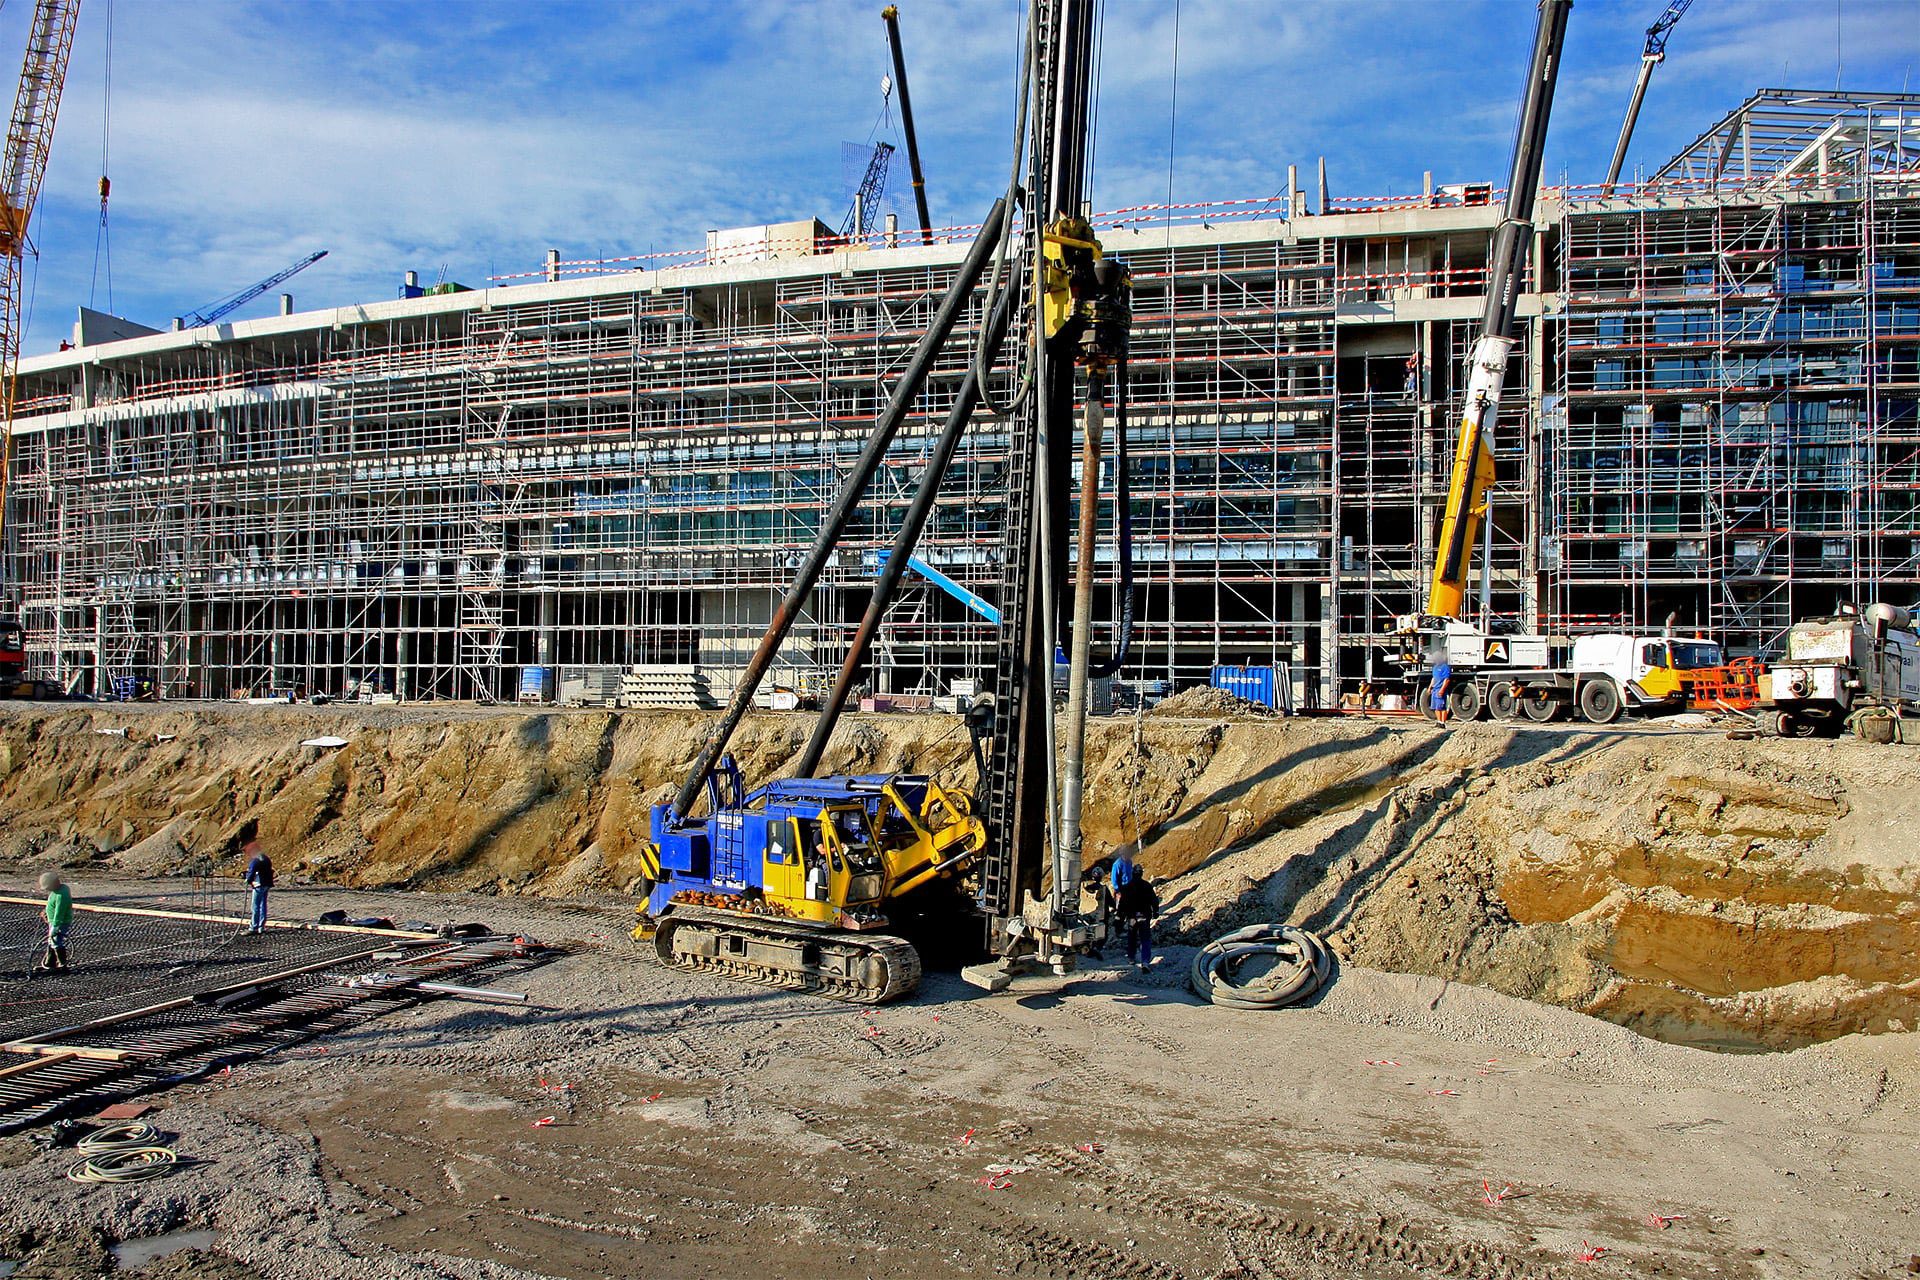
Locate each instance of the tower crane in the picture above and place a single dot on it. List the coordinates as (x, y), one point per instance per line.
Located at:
(234, 301)
(867, 198)
(24, 166)
(1652, 56)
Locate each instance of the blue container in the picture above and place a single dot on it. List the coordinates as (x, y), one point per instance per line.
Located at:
(536, 684)
(1255, 684)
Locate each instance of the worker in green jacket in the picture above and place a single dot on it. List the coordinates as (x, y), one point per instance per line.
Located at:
(59, 914)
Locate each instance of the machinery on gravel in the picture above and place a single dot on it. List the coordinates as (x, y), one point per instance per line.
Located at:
(1603, 677)
(794, 883)
(1858, 669)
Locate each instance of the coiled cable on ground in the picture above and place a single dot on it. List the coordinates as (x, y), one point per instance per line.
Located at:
(119, 1137)
(1300, 965)
(124, 1164)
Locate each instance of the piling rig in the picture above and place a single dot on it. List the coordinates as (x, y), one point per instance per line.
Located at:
(796, 882)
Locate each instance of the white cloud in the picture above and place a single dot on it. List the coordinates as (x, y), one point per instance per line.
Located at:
(475, 135)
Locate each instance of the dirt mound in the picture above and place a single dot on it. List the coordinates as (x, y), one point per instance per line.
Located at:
(1208, 703)
(1733, 894)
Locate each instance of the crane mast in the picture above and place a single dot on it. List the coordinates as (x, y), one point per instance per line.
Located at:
(29, 138)
(1473, 466)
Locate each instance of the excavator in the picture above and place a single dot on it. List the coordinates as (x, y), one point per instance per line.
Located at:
(797, 883)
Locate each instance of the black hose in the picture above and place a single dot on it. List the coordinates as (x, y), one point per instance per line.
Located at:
(1304, 966)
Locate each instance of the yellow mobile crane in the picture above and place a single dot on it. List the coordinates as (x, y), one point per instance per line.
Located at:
(1498, 670)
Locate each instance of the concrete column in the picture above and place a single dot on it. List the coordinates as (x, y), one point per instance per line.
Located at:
(401, 654)
(101, 687)
(543, 639)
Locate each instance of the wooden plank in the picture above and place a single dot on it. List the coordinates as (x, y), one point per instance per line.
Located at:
(65, 1051)
(35, 1064)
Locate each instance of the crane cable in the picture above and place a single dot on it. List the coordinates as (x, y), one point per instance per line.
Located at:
(102, 237)
(1301, 965)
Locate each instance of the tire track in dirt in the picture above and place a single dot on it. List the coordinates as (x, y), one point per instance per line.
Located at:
(1386, 1241)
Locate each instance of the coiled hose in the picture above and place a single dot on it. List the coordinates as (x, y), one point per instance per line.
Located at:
(1302, 966)
(122, 1153)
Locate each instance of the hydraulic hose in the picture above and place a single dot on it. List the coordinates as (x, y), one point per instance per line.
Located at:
(119, 1137)
(124, 1164)
(1303, 966)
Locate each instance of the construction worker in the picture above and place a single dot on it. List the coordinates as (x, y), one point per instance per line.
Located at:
(1137, 906)
(59, 917)
(259, 878)
(1437, 692)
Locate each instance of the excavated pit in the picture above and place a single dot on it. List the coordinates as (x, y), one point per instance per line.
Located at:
(1737, 895)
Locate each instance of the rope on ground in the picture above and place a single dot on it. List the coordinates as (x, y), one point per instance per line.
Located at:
(1303, 965)
(124, 1164)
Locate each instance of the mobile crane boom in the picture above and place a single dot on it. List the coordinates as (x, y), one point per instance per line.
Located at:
(234, 301)
(1651, 56)
(1473, 469)
(891, 16)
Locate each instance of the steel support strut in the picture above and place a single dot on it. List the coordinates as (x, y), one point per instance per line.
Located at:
(905, 392)
(911, 525)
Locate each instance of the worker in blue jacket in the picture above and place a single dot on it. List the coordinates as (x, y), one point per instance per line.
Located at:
(1437, 691)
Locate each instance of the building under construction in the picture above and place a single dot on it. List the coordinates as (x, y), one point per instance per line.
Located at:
(618, 464)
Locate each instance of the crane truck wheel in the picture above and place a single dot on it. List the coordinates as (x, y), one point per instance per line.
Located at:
(1797, 726)
(1542, 709)
(1464, 701)
(1503, 702)
(1600, 701)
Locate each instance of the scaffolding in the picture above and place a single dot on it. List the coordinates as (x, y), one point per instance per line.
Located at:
(620, 464)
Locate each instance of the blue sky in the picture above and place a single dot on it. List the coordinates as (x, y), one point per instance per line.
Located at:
(470, 137)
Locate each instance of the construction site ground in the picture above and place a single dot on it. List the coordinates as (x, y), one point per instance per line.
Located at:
(1514, 909)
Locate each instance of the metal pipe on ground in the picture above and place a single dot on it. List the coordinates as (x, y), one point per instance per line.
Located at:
(911, 525)
(788, 612)
(483, 994)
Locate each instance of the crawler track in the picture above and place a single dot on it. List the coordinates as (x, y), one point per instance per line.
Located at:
(860, 968)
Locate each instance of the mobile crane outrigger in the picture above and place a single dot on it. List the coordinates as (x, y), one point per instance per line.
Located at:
(795, 883)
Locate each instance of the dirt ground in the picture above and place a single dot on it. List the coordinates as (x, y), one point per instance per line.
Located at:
(700, 1128)
(1730, 894)
(1551, 938)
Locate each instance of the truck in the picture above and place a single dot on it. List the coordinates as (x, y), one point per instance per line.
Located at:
(1855, 668)
(1513, 677)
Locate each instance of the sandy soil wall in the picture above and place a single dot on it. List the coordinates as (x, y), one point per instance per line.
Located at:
(1737, 894)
